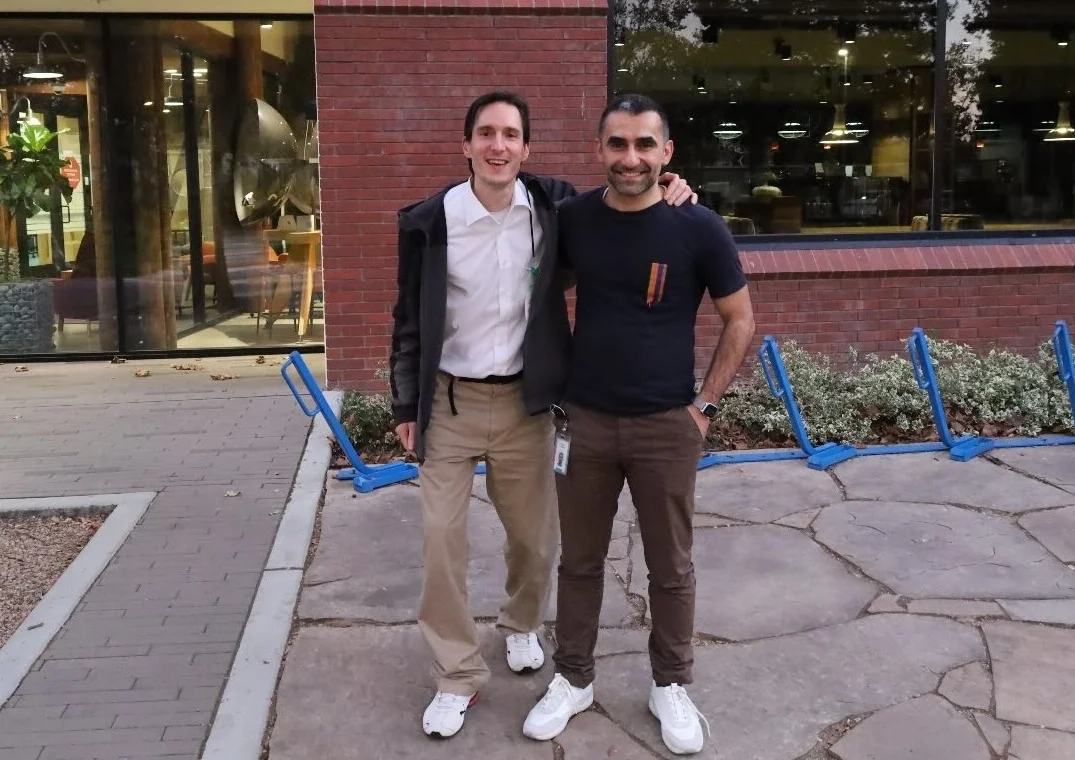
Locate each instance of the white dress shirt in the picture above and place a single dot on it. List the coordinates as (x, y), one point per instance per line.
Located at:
(490, 261)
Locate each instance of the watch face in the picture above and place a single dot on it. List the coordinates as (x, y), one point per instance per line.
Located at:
(710, 410)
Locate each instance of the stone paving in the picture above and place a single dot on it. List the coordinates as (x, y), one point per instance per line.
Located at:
(906, 607)
(137, 670)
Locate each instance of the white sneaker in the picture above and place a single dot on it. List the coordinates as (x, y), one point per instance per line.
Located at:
(560, 704)
(444, 716)
(680, 727)
(524, 652)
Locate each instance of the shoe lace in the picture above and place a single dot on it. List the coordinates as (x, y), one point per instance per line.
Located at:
(520, 640)
(558, 689)
(683, 706)
(446, 702)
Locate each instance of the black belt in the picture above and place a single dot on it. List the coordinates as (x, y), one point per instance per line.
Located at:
(487, 380)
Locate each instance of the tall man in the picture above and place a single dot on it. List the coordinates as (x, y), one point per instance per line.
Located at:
(641, 269)
(480, 347)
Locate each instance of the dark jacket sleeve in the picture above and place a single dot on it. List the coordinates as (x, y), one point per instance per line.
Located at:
(406, 336)
(556, 189)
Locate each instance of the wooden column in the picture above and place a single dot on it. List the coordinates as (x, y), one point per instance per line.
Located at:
(240, 251)
(101, 188)
(139, 57)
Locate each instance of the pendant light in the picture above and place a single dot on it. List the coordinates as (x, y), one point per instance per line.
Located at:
(1063, 131)
(840, 134)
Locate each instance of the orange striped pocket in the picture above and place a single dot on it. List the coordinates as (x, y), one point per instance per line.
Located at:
(658, 273)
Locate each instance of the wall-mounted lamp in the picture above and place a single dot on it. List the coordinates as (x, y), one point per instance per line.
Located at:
(620, 37)
(266, 23)
(698, 82)
(781, 49)
(847, 33)
(41, 71)
(1062, 35)
(28, 118)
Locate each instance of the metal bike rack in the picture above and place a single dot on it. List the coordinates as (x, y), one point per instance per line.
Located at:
(366, 477)
(960, 449)
(817, 457)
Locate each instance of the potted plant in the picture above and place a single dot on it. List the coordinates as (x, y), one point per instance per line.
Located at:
(29, 180)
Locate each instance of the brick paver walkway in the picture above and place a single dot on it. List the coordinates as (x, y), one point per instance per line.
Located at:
(139, 667)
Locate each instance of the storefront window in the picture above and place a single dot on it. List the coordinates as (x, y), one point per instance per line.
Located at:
(1009, 158)
(791, 116)
(184, 212)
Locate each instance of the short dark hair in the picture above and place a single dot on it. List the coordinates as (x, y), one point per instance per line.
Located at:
(635, 105)
(497, 96)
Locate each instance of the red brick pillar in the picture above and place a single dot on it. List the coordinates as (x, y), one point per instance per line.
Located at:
(394, 80)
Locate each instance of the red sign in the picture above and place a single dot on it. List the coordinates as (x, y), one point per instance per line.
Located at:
(72, 171)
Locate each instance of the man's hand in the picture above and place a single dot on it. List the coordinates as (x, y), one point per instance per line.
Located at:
(676, 190)
(700, 420)
(406, 432)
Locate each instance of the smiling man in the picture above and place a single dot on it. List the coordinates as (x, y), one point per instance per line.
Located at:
(641, 269)
(480, 350)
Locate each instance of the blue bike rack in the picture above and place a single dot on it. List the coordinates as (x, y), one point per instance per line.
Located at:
(960, 449)
(1065, 364)
(1065, 368)
(817, 457)
(366, 477)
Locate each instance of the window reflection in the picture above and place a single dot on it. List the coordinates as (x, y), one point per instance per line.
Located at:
(791, 116)
(1009, 157)
(148, 252)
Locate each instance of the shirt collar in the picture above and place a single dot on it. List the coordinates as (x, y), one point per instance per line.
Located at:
(473, 210)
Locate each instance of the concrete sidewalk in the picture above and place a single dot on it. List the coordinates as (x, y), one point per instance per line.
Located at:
(897, 607)
(139, 667)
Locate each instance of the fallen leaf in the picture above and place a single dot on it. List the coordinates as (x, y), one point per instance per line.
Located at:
(259, 360)
(224, 376)
(186, 367)
(22, 368)
(233, 493)
(118, 360)
(142, 373)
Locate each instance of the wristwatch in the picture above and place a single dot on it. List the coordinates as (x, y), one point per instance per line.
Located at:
(705, 407)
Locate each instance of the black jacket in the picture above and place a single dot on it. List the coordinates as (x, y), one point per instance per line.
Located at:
(420, 312)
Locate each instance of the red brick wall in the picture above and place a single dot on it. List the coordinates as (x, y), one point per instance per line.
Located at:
(393, 84)
(983, 295)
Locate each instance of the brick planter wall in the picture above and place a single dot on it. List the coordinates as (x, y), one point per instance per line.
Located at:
(983, 295)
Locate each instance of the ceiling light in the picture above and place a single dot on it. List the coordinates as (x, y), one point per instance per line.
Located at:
(727, 130)
(792, 130)
(1063, 131)
(839, 134)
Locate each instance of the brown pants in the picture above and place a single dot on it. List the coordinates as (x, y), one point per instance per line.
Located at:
(658, 456)
(491, 422)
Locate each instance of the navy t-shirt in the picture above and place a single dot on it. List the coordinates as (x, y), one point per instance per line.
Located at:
(640, 277)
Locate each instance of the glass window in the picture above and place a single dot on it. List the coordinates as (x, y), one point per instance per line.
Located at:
(222, 243)
(1008, 160)
(178, 208)
(791, 116)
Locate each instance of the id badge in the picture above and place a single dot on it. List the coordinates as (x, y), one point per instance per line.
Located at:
(563, 451)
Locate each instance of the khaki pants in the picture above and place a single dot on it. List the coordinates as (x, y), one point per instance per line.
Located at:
(491, 422)
(657, 454)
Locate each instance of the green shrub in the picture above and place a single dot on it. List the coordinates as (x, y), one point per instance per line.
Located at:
(999, 393)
